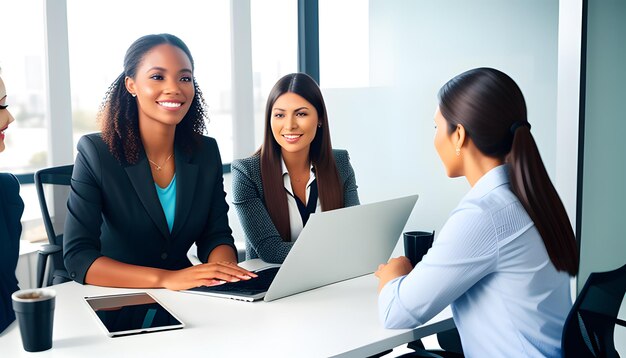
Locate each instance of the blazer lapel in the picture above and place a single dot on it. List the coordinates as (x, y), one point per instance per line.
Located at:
(141, 179)
(186, 179)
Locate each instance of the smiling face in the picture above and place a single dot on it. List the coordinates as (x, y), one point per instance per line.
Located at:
(294, 123)
(163, 85)
(5, 116)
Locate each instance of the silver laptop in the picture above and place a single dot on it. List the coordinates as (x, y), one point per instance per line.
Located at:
(333, 246)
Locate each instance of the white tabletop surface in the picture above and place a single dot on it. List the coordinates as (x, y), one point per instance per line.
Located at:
(336, 320)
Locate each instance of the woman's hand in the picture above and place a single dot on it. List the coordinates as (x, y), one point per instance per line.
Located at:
(396, 267)
(209, 274)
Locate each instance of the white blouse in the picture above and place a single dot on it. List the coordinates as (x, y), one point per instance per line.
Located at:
(295, 220)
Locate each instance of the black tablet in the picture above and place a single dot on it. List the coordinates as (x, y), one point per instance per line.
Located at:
(132, 313)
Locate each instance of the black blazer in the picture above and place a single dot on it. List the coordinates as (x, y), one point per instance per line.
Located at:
(11, 208)
(114, 210)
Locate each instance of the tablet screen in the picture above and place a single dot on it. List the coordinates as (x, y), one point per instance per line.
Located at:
(132, 313)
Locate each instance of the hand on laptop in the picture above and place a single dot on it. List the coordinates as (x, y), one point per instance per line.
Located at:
(209, 274)
(396, 267)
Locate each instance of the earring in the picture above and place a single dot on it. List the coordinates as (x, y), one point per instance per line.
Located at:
(319, 125)
(133, 94)
(458, 151)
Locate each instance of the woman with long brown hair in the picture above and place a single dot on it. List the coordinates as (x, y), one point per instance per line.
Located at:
(296, 171)
(504, 258)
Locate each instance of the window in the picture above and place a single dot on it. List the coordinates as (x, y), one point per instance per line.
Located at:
(274, 51)
(23, 73)
(22, 63)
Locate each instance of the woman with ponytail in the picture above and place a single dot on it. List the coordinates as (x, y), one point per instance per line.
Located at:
(504, 258)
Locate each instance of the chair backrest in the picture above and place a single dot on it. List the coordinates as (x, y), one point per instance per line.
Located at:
(54, 183)
(590, 325)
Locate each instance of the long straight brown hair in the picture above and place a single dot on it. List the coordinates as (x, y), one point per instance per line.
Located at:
(320, 153)
(491, 108)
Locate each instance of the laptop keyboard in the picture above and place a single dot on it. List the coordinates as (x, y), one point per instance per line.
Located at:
(252, 286)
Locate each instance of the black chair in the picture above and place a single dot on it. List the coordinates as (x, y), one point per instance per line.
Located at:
(449, 341)
(58, 178)
(590, 325)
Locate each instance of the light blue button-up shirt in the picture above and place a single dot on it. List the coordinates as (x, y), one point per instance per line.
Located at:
(490, 264)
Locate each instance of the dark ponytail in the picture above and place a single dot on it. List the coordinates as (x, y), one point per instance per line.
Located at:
(532, 185)
(491, 108)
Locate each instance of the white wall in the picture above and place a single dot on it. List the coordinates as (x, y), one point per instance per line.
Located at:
(415, 47)
(603, 238)
(568, 103)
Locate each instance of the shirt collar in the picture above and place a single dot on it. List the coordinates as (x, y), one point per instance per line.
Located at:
(492, 179)
(286, 179)
(284, 166)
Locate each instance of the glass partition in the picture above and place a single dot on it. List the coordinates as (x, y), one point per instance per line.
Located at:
(382, 63)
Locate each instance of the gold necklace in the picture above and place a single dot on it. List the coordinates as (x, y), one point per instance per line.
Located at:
(159, 167)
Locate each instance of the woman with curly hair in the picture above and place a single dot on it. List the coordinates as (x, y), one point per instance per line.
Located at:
(150, 185)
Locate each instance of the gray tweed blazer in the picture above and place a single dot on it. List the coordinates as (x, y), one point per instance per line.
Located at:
(262, 238)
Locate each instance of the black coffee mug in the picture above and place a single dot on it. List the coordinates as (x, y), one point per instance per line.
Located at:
(416, 245)
(34, 309)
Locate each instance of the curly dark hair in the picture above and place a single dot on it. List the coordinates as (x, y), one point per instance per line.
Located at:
(118, 113)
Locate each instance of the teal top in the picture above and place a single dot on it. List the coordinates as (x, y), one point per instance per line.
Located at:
(167, 197)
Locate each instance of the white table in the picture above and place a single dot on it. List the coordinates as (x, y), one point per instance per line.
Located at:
(337, 320)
